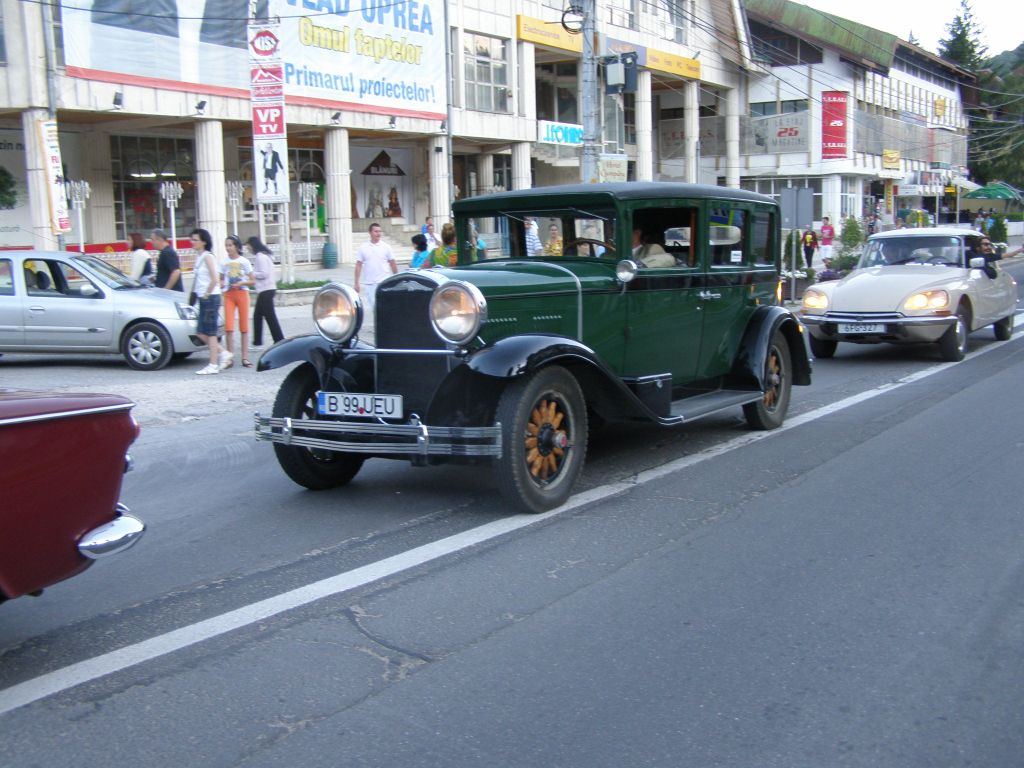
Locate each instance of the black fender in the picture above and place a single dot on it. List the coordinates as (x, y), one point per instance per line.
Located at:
(749, 368)
(516, 356)
(342, 364)
(476, 385)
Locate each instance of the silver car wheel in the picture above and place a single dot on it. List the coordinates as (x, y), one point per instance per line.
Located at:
(147, 347)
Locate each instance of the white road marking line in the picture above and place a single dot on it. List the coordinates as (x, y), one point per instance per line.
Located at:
(85, 671)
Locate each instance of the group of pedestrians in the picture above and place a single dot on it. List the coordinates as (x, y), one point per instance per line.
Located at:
(811, 242)
(226, 283)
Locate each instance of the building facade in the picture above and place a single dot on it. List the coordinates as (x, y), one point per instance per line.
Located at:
(394, 109)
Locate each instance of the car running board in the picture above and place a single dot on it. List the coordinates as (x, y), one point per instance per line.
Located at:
(690, 408)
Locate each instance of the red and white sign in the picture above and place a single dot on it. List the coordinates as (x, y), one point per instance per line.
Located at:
(267, 121)
(269, 132)
(833, 124)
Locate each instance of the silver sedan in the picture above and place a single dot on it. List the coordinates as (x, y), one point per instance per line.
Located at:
(77, 303)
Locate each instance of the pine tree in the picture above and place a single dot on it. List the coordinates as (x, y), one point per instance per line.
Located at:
(963, 46)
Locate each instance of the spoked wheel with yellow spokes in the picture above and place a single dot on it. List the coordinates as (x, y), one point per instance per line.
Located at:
(770, 411)
(544, 439)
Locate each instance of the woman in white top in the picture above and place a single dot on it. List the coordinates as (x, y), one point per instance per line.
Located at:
(141, 264)
(206, 287)
(266, 288)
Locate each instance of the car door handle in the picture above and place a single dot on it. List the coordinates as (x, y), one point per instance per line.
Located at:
(710, 295)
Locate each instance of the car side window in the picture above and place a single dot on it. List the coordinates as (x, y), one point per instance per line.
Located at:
(71, 282)
(6, 278)
(39, 279)
(726, 227)
(761, 246)
(662, 237)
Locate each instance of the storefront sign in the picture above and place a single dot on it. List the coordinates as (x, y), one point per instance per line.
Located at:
(781, 133)
(673, 64)
(547, 33)
(565, 134)
(60, 219)
(383, 57)
(891, 159)
(612, 168)
(833, 125)
(890, 194)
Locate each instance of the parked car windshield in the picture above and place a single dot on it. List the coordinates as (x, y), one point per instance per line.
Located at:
(552, 233)
(939, 250)
(110, 276)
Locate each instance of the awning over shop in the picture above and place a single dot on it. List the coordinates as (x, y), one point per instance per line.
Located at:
(997, 190)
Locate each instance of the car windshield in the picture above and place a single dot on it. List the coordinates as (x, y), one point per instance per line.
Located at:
(538, 233)
(941, 250)
(110, 276)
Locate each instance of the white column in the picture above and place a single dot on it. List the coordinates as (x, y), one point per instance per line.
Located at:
(440, 184)
(37, 181)
(521, 177)
(99, 210)
(485, 173)
(211, 204)
(339, 193)
(644, 127)
(691, 120)
(527, 81)
(732, 138)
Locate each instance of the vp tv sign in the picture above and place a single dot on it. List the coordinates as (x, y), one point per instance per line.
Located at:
(268, 121)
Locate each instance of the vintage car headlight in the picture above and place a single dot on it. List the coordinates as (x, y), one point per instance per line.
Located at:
(927, 300)
(814, 301)
(457, 311)
(337, 312)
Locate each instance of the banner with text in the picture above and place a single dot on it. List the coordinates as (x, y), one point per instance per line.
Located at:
(372, 56)
(833, 124)
(266, 94)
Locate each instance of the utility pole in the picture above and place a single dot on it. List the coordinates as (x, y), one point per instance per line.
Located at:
(591, 106)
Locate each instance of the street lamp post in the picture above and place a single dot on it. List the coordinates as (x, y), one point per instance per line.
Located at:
(78, 192)
(171, 192)
(307, 193)
(235, 191)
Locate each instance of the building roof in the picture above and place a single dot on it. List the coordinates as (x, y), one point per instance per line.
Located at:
(862, 44)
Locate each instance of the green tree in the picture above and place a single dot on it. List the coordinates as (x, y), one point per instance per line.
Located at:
(963, 46)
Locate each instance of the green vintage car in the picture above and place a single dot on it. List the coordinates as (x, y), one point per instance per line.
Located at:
(656, 302)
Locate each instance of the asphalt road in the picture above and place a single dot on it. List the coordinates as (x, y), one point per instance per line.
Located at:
(845, 591)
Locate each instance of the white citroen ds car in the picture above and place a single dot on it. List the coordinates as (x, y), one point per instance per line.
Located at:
(913, 286)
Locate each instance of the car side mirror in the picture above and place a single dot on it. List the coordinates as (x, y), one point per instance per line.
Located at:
(977, 262)
(88, 290)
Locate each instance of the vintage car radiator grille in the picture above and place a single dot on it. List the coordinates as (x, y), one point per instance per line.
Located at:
(403, 322)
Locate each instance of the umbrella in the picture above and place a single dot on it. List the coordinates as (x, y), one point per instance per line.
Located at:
(995, 191)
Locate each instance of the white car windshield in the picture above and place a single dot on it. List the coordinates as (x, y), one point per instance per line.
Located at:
(936, 250)
(111, 276)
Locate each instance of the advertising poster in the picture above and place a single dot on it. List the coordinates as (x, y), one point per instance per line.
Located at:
(266, 96)
(60, 219)
(371, 56)
(382, 183)
(14, 210)
(833, 125)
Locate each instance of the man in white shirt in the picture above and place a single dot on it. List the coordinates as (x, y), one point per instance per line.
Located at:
(373, 260)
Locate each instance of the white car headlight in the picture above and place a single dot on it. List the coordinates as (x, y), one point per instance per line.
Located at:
(185, 311)
(457, 310)
(927, 300)
(814, 301)
(337, 312)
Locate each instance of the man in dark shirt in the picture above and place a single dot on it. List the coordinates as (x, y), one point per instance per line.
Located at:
(168, 267)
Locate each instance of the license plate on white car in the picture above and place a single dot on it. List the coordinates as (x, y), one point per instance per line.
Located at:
(356, 404)
(862, 328)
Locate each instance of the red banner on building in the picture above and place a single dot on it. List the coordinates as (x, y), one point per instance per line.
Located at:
(833, 124)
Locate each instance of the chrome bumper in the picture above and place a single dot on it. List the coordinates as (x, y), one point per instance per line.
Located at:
(414, 438)
(116, 536)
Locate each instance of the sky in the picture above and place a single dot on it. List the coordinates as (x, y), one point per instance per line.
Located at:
(999, 20)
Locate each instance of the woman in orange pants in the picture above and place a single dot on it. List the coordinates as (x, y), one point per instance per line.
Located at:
(236, 276)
